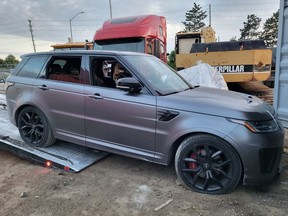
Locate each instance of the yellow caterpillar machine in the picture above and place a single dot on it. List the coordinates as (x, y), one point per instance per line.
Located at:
(237, 61)
(73, 46)
(245, 63)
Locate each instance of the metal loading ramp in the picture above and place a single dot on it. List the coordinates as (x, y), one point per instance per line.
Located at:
(61, 155)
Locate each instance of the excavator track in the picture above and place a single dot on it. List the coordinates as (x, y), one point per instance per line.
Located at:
(258, 89)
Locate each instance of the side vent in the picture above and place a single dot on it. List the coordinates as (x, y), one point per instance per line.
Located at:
(166, 115)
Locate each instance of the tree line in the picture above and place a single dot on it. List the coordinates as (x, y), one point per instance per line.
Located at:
(10, 59)
(250, 31)
(251, 28)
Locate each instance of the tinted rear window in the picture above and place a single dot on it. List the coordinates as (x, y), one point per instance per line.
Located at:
(19, 65)
(33, 66)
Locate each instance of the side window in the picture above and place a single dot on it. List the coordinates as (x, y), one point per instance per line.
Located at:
(106, 71)
(33, 66)
(20, 65)
(65, 69)
(149, 46)
(161, 30)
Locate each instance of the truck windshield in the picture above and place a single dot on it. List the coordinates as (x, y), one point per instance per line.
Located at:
(126, 44)
(160, 77)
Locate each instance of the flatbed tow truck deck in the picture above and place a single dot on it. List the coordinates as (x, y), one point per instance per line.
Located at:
(61, 155)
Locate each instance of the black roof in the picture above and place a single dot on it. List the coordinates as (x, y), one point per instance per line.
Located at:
(228, 46)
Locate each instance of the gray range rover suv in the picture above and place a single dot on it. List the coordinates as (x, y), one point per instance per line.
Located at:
(134, 105)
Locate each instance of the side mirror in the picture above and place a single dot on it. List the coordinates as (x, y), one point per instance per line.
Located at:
(129, 84)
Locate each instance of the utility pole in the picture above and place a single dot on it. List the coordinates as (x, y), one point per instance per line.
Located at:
(209, 14)
(110, 6)
(32, 36)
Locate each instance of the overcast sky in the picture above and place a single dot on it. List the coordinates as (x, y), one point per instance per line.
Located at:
(50, 19)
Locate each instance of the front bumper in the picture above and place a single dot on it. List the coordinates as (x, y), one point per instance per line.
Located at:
(260, 154)
(269, 162)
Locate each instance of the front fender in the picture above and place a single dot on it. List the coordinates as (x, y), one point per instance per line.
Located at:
(170, 135)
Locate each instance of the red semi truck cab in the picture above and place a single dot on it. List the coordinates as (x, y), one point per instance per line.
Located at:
(145, 34)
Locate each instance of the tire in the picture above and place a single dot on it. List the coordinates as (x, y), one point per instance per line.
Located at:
(207, 164)
(34, 128)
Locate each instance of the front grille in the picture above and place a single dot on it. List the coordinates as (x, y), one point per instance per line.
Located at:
(268, 158)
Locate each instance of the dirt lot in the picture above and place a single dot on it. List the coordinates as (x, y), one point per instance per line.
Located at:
(123, 186)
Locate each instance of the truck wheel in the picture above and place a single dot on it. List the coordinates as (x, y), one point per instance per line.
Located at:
(207, 164)
(34, 128)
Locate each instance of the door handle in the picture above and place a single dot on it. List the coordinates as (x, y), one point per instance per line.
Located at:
(43, 87)
(96, 96)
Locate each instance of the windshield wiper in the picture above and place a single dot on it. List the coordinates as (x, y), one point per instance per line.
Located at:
(188, 88)
(170, 93)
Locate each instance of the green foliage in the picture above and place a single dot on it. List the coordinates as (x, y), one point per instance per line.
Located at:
(269, 33)
(8, 63)
(11, 59)
(194, 18)
(250, 30)
(171, 59)
(270, 30)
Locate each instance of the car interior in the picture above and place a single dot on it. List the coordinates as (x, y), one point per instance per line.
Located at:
(105, 72)
(65, 69)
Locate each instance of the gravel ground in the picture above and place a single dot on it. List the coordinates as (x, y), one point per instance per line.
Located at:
(123, 186)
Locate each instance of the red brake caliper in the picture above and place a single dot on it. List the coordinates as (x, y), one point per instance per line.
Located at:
(192, 165)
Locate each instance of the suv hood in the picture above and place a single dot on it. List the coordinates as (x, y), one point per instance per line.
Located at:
(217, 102)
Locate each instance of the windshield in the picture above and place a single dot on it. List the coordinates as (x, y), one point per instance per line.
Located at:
(130, 44)
(161, 77)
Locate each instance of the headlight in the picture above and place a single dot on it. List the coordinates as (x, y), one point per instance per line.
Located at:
(258, 126)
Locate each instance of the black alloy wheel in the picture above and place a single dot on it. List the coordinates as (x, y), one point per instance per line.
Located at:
(34, 128)
(208, 164)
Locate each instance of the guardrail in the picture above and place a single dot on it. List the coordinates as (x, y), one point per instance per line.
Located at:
(5, 70)
(7, 66)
